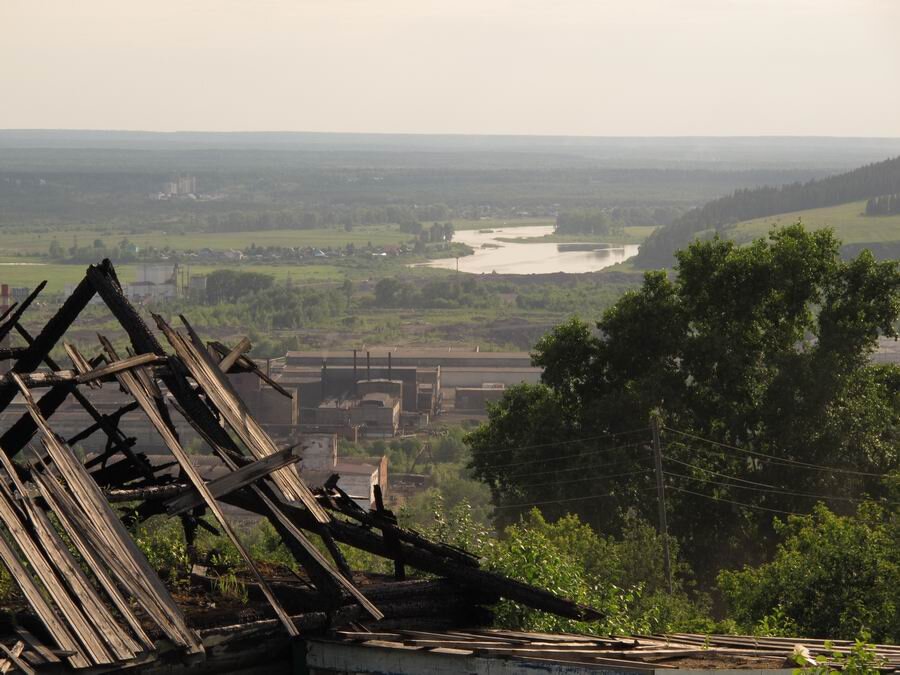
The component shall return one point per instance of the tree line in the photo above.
(885, 205)
(326, 216)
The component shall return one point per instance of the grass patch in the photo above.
(19, 242)
(848, 221)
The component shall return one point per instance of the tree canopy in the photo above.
(758, 360)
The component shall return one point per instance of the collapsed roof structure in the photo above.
(93, 599)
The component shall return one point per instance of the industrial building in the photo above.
(433, 381)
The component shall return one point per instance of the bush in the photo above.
(832, 576)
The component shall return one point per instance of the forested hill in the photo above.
(872, 180)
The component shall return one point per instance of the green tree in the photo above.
(764, 348)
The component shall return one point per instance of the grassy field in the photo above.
(847, 220)
(57, 276)
(20, 242)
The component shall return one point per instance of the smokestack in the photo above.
(368, 366)
(354, 365)
(389, 366)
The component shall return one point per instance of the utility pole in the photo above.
(661, 496)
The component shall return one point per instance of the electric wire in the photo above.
(731, 501)
(775, 491)
(568, 442)
(779, 460)
(565, 500)
(554, 458)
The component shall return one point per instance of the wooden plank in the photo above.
(121, 644)
(19, 310)
(47, 338)
(83, 628)
(118, 366)
(110, 529)
(15, 658)
(217, 387)
(133, 387)
(231, 357)
(80, 363)
(249, 364)
(39, 647)
(93, 549)
(21, 432)
(232, 481)
(41, 607)
(323, 574)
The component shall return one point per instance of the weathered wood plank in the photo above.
(41, 607)
(217, 387)
(324, 576)
(42, 344)
(39, 647)
(94, 550)
(245, 363)
(231, 357)
(89, 498)
(119, 642)
(83, 628)
(232, 481)
(14, 655)
(118, 366)
(133, 387)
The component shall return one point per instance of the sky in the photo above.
(568, 67)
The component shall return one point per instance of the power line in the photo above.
(559, 457)
(730, 501)
(593, 478)
(775, 491)
(716, 473)
(558, 443)
(562, 501)
(780, 460)
(569, 470)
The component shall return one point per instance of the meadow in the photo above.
(19, 242)
(849, 222)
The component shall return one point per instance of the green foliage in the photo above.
(229, 586)
(267, 545)
(439, 293)
(230, 285)
(625, 577)
(862, 660)
(457, 525)
(585, 221)
(832, 576)
(162, 541)
(764, 347)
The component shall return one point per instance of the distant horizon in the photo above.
(272, 132)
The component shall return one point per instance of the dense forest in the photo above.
(869, 181)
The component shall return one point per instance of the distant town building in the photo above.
(153, 282)
(181, 186)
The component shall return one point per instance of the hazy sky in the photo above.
(585, 67)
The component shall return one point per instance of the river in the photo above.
(505, 257)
